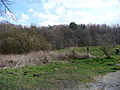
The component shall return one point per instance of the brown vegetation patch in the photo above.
(34, 58)
(38, 58)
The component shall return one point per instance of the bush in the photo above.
(22, 40)
(10, 45)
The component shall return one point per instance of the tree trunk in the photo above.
(106, 52)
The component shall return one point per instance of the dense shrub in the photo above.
(22, 40)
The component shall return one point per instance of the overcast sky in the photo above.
(50, 12)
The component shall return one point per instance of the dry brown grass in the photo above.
(38, 58)
(31, 59)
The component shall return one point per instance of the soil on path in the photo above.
(110, 81)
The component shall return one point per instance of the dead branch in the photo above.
(10, 13)
(77, 55)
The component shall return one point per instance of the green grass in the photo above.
(58, 74)
(94, 50)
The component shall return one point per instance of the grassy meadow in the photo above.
(60, 73)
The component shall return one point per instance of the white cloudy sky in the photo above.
(50, 12)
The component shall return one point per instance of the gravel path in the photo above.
(110, 81)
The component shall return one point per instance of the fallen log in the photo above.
(77, 55)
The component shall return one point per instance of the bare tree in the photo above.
(106, 42)
(5, 9)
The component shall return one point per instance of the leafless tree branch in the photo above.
(5, 5)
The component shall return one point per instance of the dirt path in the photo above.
(110, 81)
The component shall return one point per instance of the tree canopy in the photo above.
(73, 25)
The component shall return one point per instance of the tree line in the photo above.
(22, 39)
